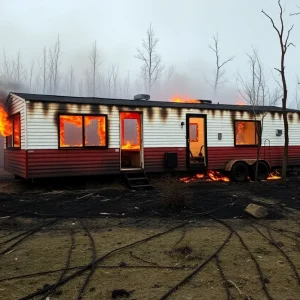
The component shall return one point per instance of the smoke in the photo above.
(7, 86)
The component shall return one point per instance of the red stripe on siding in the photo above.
(15, 162)
(72, 162)
(219, 156)
(154, 158)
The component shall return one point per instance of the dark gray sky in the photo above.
(184, 28)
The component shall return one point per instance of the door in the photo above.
(131, 140)
(196, 141)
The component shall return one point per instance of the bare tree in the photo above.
(70, 81)
(126, 87)
(220, 71)
(152, 67)
(80, 89)
(19, 70)
(284, 45)
(43, 70)
(53, 64)
(255, 91)
(31, 72)
(169, 72)
(93, 72)
(8, 66)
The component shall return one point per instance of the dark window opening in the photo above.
(76, 131)
(246, 133)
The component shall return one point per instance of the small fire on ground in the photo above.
(217, 176)
(211, 176)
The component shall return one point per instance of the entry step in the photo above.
(136, 179)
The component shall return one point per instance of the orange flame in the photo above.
(211, 176)
(274, 176)
(101, 128)
(5, 123)
(130, 145)
(240, 102)
(17, 134)
(77, 121)
(183, 100)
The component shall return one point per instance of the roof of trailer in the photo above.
(144, 103)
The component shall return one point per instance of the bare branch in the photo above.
(152, 67)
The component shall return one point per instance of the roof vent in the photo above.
(205, 101)
(144, 97)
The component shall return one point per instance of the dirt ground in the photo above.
(91, 240)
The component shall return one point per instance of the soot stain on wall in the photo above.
(163, 113)
(150, 113)
(291, 117)
(179, 111)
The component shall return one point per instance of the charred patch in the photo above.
(233, 117)
(45, 106)
(298, 116)
(62, 108)
(30, 106)
(222, 112)
(150, 113)
(273, 115)
(179, 112)
(163, 113)
(242, 112)
(291, 117)
(213, 112)
(110, 108)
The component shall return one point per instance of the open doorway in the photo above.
(131, 140)
(196, 142)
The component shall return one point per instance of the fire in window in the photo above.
(82, 131)
(14, 139)
(131, 131)
(246, 133)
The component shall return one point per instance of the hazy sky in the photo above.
(184, 28)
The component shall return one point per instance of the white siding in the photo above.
(17, 105)
(161, 127)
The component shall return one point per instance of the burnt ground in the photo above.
(96, 197)
(96, 239)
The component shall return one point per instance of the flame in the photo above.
(101, 128)
(130, 145)
(17, 127)
(240, 102)
(76, 120)
(5, 123)
(211, 176)
(183, 100)
(274, 176)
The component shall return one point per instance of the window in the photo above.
(131, 130)
(193, 132)
(14, 140)
(246, 133)
(82, 131)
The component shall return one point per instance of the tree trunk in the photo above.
(286, 147)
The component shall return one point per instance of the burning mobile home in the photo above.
(51, 136)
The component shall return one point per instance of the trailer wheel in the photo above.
(239, 172)
(263, 171)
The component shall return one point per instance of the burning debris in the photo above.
(184, 100)
(211, 176)
(217, 176)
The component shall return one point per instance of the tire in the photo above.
(239, 172)
(263, 171)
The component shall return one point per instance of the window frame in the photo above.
(12, 128)
(83, 131)
(258, 143)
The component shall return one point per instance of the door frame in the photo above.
(188, 117)
(141, 139)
